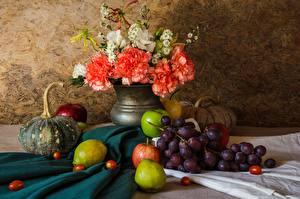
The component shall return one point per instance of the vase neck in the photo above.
(136, 94)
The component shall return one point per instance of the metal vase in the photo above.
(132, 102)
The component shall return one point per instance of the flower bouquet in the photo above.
(130, 55)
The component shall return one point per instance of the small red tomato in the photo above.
(111, 164)
(255, 170)
(16, 185)
(78, 167)
(57, 155)
(185, 181)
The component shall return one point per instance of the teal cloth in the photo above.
(48, 178)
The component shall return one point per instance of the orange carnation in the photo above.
(183, 68)
(164, 81)
(132, 66)
(98, 73)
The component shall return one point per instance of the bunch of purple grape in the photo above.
(185, 149)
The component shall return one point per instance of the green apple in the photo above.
(150, 176)
(151, 122)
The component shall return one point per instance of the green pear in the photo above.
(150, 176)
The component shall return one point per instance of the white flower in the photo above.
(166, 51)
(104, 10)
(157, 55)
(110, 51)
(79, 70)
(111, 57)
(110, 46)
(190, 35)
(168, 32)
(101, 37)
(188, 41)
(114, 41)
(196, 37)
(132, 32)
(143, 41)
(165, 37)
(116, 38)
(141, 38)
(154, 60)
(166, 43)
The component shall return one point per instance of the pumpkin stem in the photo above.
(203, 99)
(197, 127)
(46, 114)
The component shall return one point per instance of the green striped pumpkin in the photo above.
(47, 134)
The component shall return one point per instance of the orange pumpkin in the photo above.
(206, 111)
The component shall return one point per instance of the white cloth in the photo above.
(280, 182)
(282, 147)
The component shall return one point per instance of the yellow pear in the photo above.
(173, 107)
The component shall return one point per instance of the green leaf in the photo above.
(86, 36)
(79, 81)
(92, 41)
(84, 43)
(76, 38)
(158, 46)
(158, 33)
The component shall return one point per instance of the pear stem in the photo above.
(46, 114)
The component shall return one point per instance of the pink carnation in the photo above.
(164, 81)
(132, 66)
(183, 68)
(98, 73)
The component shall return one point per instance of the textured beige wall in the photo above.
(248, 55)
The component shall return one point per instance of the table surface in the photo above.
(173, 189)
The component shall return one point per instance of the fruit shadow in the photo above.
(172, 185)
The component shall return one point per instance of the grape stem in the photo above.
(156, 126)
(213, 151)
(182, 139)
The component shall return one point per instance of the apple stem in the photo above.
(46, 114)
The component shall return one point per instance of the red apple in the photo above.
(76, 111)
(145, 151)
(225, 133)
